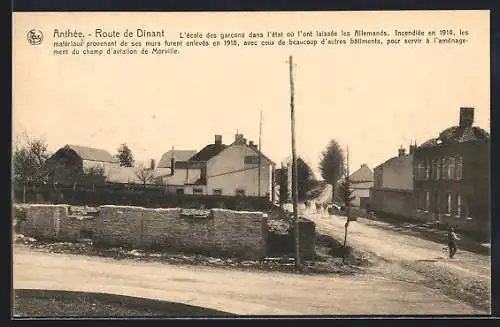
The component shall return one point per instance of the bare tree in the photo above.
(144, 174)
(331, 165)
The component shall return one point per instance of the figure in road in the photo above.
(452, 241)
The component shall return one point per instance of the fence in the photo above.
(132, 195)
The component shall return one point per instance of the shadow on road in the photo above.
(56, 303)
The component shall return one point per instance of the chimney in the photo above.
(172, 166)
(466, 117)
(152, 164)
(401, 151)
(413, 147)
(218, 139)
(238, 139)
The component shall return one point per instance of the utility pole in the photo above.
(294, 169)
(260, 147)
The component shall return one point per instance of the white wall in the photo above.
(182, 176)
(228, 172)
(398, 173)
(108, 166)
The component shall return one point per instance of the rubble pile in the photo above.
(279, 226)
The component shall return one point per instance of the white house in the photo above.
(361, 182)
(219, 169)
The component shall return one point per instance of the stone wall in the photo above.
(219, 232)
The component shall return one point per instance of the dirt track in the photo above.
(232, 291)
(467, 276)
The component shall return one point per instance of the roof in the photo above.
(93, 154)
(457, 134)
(208, 152)
(407, 156)
(363, 174)
(178, 155)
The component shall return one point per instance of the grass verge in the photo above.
(51, 303)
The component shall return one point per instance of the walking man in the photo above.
(452, 241)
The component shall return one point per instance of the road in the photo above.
(239, 292)
(386, 244)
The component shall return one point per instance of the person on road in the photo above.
(452, 241)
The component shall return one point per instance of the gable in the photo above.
(363, 174)
(178, 155)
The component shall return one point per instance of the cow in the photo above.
(318, 207)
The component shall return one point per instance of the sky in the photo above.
(373, 99)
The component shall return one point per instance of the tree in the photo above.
(125, 156)
(30, 160)
(305, 178)
(144, 174)
(346, 196)
(331, 165)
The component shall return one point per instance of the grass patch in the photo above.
(50, 303)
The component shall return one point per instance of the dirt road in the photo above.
(403, 252)
(240, 292)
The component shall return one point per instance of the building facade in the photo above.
(68, 164)
(361, 183)
(452, 174)
(220, 170)
(392, 192)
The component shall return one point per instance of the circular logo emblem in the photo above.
(35, 37)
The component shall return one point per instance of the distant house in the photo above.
(68, 163)
(219, 169)
(392, 192)
(361, 182)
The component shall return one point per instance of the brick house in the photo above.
(219, 169)
(392, 191)
(452, 173)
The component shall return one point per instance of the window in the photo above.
(427, 200)
(433, 169)
(419, 174)
(445, 168)
(240, 192)
(197, 191)
(448, 204)
(438, 169)
(458, 205)
(217, 191)
(451, 168)
(458, 168)
(427, 169)
(251, 160)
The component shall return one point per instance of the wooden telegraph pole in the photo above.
(294, 169)
(260, 147)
